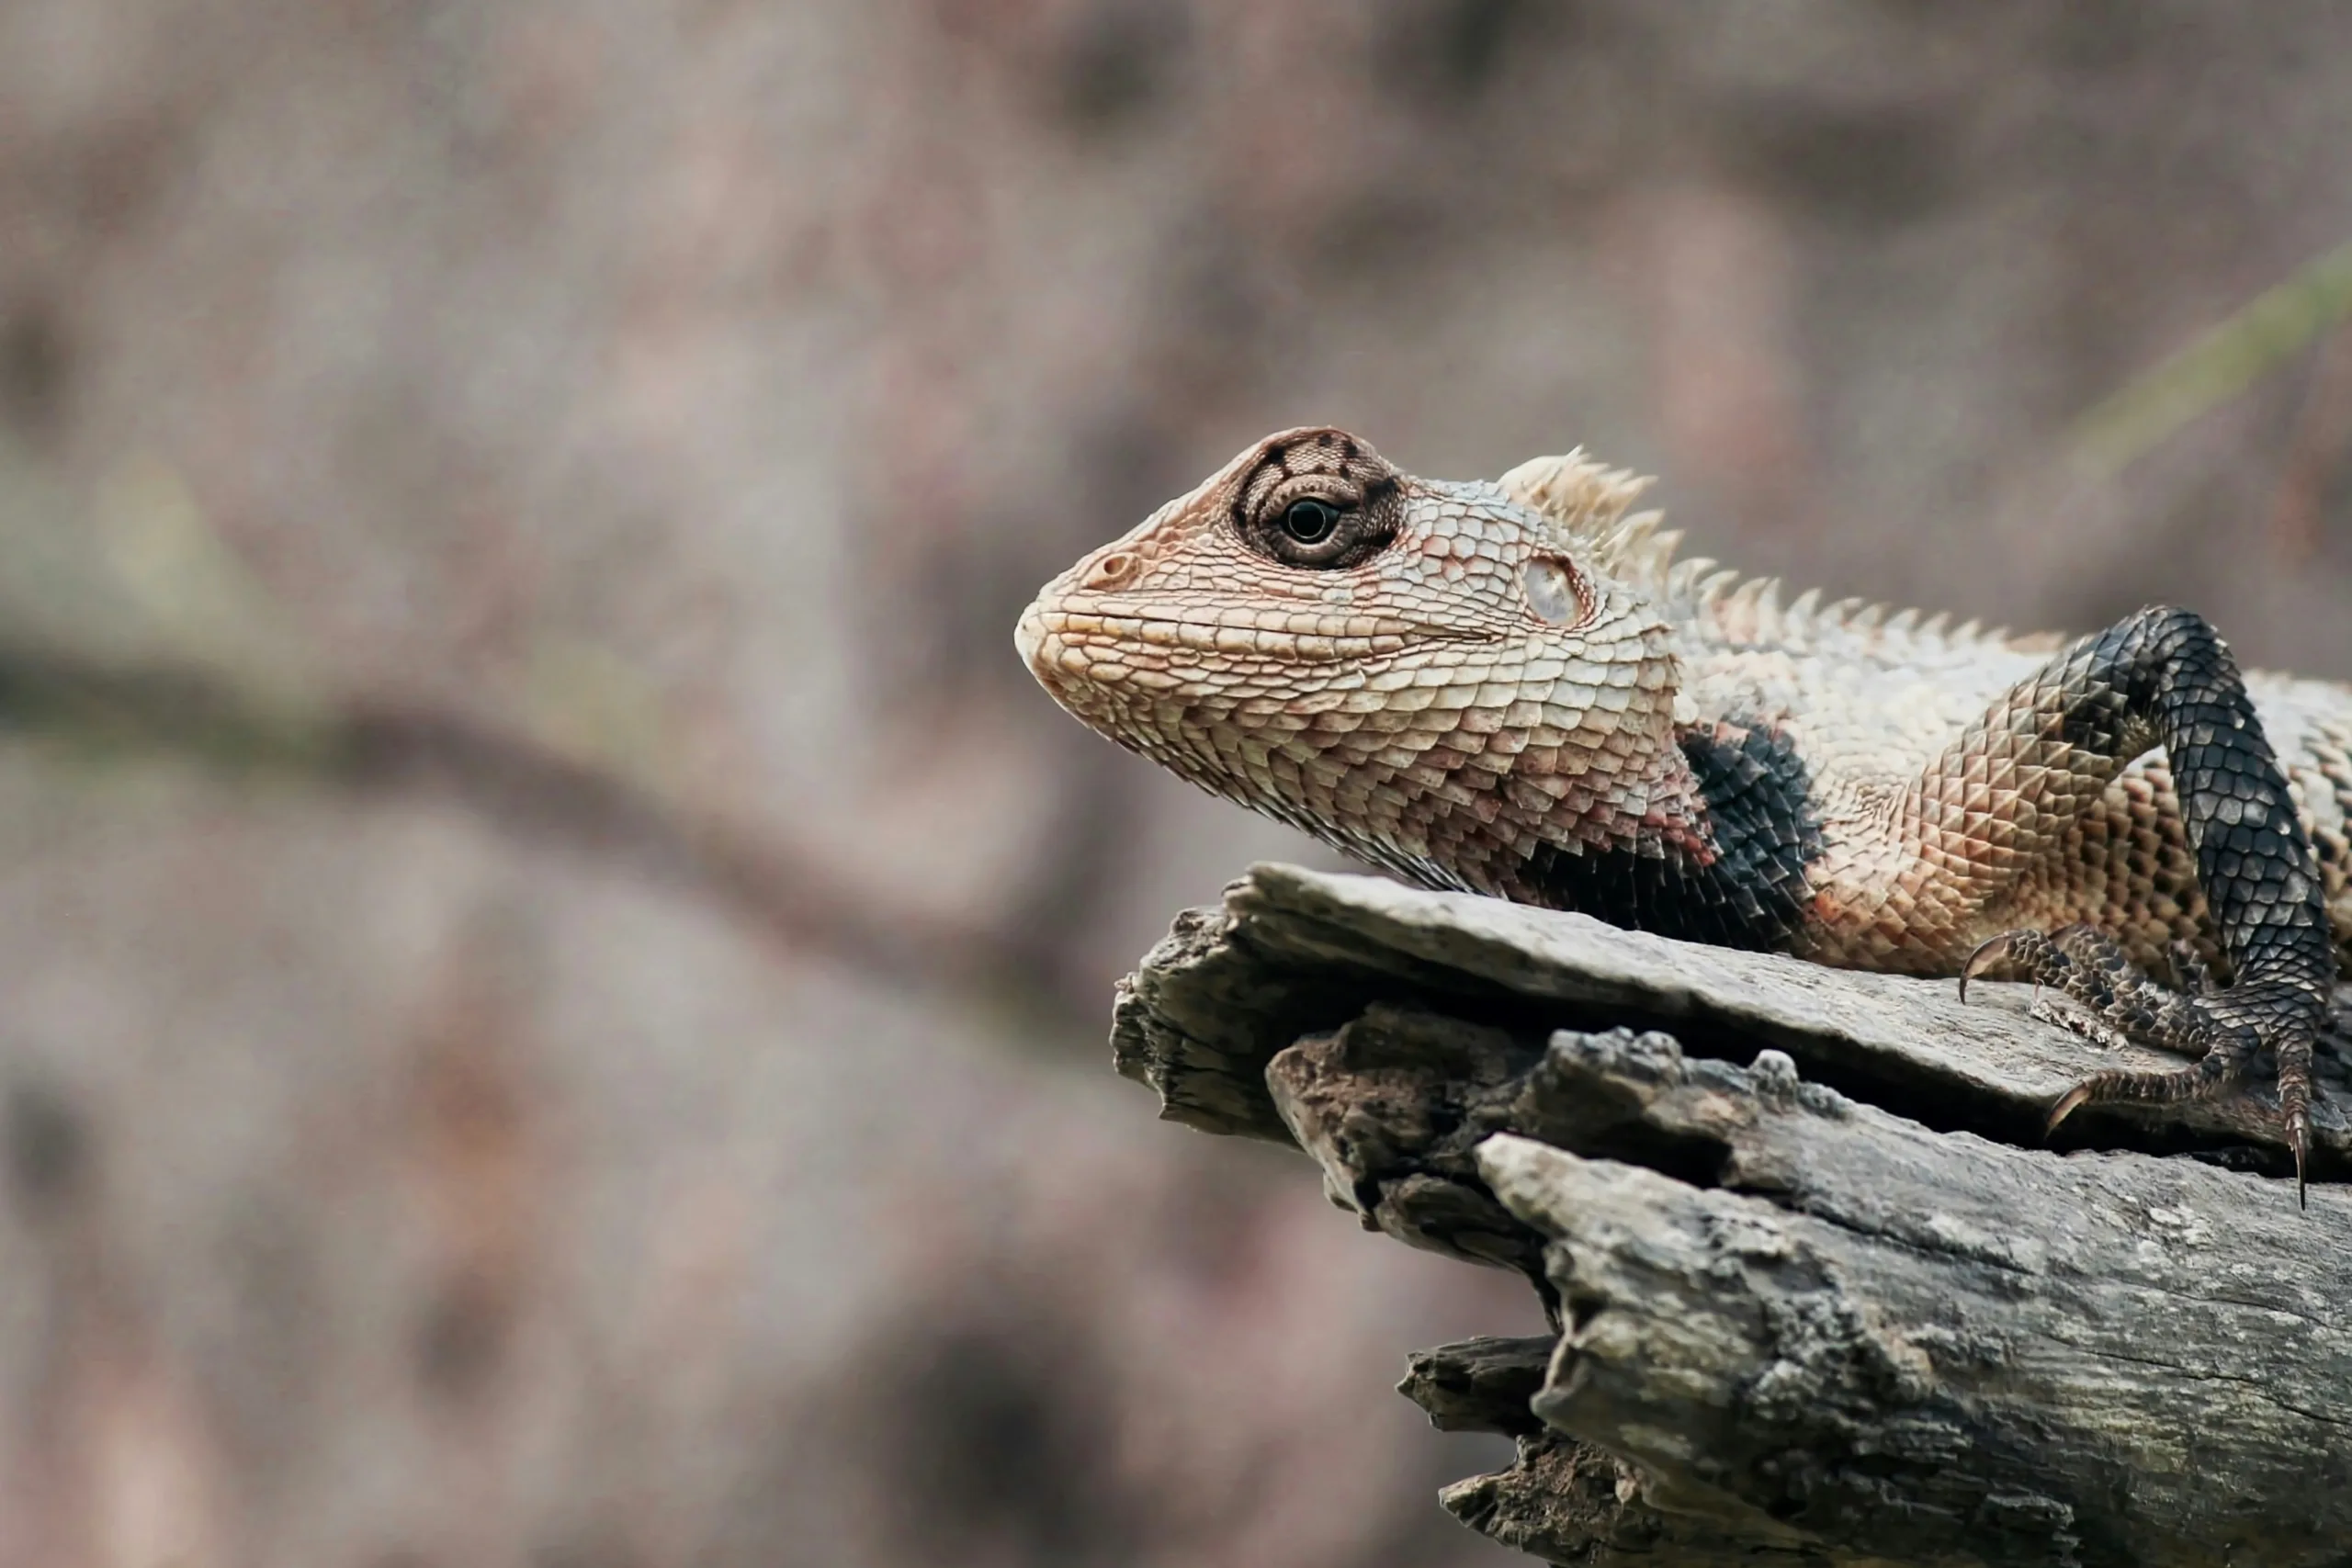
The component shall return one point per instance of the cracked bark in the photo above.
(1824, 1295)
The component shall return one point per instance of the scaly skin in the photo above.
(1513, 688)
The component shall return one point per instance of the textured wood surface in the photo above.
(1823, 1293)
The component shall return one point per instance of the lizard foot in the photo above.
(2223, 1029)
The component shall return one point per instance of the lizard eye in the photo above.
(1322, 521)
(1310, 522)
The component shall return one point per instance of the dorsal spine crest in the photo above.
(1587, 504)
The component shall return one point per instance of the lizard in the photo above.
(1521, 688)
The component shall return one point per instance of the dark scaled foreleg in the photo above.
(2165, 678)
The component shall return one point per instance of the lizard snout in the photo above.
(1029, 636)
(1105, 573)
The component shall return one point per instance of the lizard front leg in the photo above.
(2006, 791)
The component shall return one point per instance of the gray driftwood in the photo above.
(1824, 1294)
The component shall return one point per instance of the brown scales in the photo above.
(1515, 688)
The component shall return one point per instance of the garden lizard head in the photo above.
(1435, 676)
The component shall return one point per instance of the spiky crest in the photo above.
(1587, 504)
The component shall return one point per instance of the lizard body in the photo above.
(1515, 688)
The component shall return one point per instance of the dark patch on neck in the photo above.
(1752, 894)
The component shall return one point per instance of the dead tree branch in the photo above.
(1823, 1293)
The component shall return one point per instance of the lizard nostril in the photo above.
(1112, 570)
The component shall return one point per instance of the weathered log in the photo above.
(1292, 951)
(1867, 1319)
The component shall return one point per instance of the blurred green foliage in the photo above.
(2270, 329)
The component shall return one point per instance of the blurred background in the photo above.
(553, 964)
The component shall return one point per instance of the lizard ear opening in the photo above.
(1557, 591)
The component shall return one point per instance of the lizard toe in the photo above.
(2018, 951)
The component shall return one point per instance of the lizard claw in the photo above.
(2299, 1138)
(2068, 1103)
(1988, 953)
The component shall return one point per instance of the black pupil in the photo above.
(1310, 522)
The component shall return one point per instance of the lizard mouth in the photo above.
(1060, 638)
